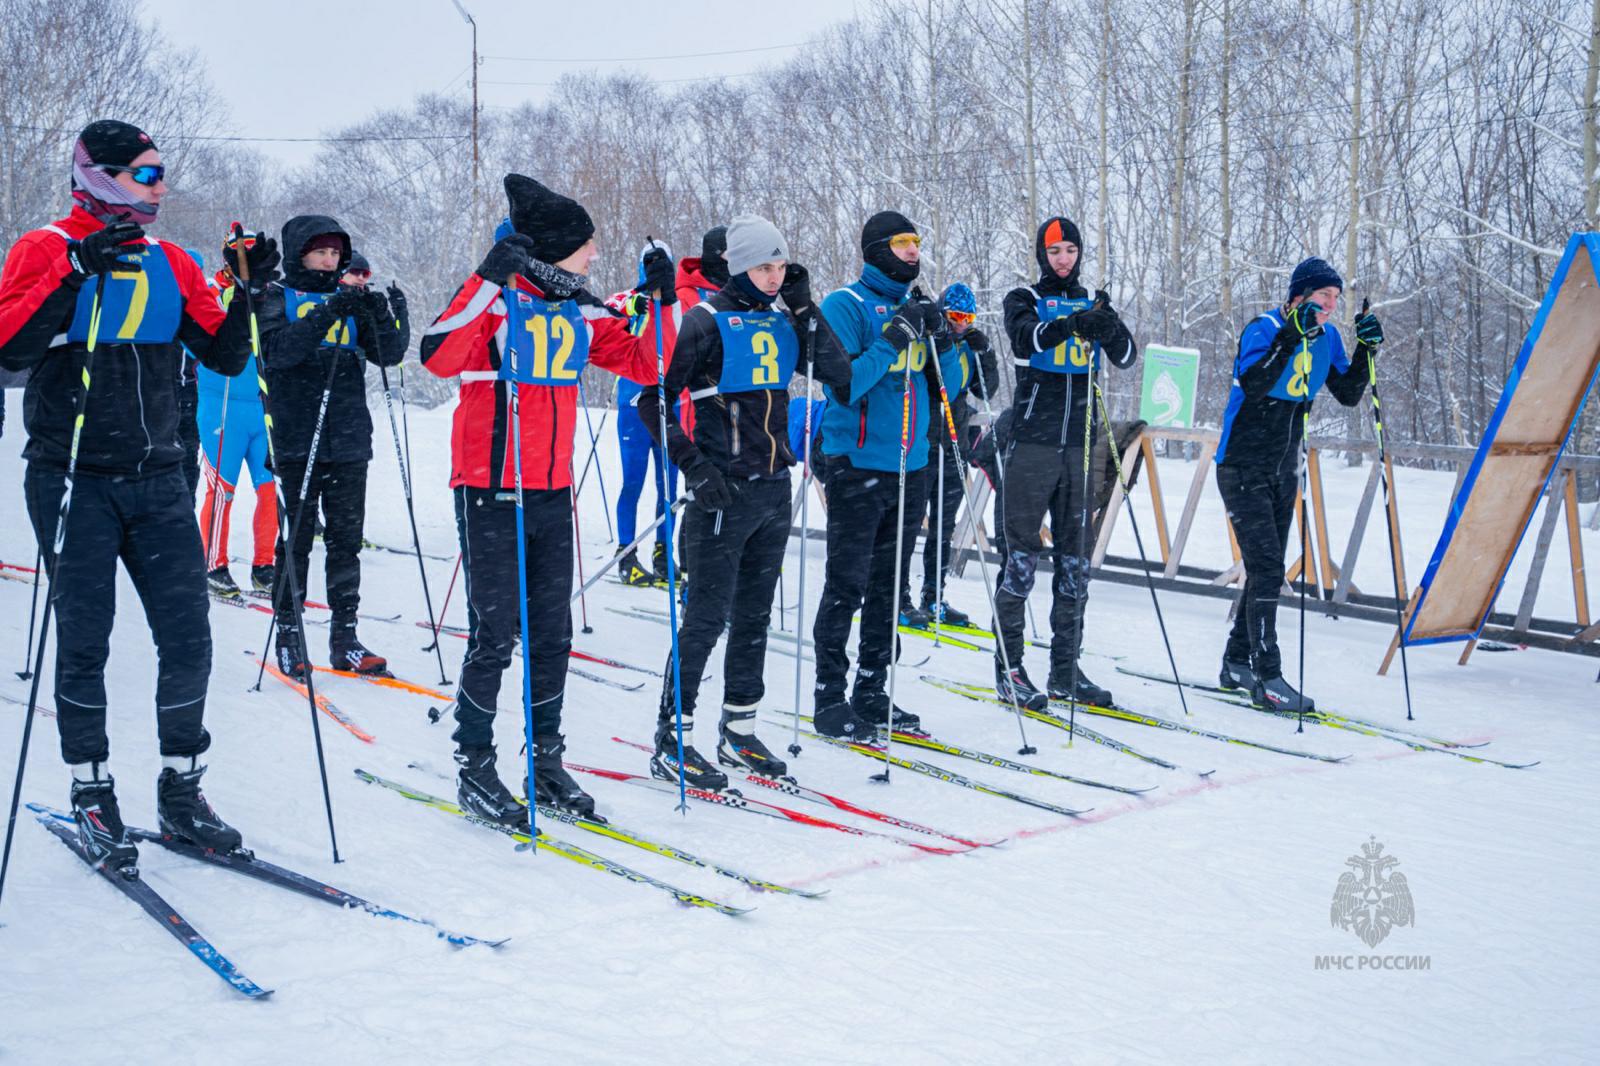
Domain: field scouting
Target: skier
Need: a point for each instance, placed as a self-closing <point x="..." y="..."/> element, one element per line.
<point x="1056" y="329"/>
<point x="129" y="499"/>
<point x="734" y="358"/>
<point x="313" y="327"/>
<point x="960" y="308"/>
<point x="1285" y="357"/>
<point x="886" y="329"/>
<point x="529" y="288"/>
<point x="234" y="433"/>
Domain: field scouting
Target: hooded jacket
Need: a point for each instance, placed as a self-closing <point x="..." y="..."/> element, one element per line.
<point x="298" y="353"/>
<point x="130" y="426"/>
<point x="1050" y="406"/>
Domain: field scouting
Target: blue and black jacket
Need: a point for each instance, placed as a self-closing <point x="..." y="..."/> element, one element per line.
<point x="862" y="431"/>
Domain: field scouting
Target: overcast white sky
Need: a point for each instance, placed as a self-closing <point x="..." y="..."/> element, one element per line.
<point x="309" y="67"/>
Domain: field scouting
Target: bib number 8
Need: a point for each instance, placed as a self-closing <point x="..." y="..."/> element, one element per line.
<point x="1302" y="371"/>
<point x="765" y="346"/>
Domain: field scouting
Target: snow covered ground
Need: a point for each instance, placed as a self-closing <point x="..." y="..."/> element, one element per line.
<point x="1184" y="925"/>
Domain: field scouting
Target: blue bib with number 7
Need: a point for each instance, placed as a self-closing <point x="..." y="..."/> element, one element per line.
<point x="142" y="307"/>
<point x="759" y="350"/>
<point x="547" y="341"/>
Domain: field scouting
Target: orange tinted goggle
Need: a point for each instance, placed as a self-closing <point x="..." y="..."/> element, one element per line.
<point x="961" y="318"/>
<point x="905" y="240"/>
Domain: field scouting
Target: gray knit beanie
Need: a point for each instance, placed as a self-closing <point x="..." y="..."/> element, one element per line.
<point x="752" y="240"/>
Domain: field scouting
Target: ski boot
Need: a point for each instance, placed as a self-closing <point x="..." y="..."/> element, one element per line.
<point x="697" y="773"/>
<point x="552" y="785"/>
<point x="346" y="652"/>
<point x="291" y="661"/>
<point x="184" y="812"/>
<point x="100" y="830"/>
<point x="658" y="563"/>
<point x="839" y="719"/>
<point x="946" y="614"/>
<point x="1275" y="694"/>
<point x="739" y="747"/>
<point x="482" y="794"/>
<point x="1236" y="674"/>
<point x="262" y="579"/>
<point x="912" y="615"/>
<point x="872" y="705"/>
<point x="220" y="583"/>
<point x="1016" y="688"/>
<point x="1087" y="691"/>
<point x="632" y="572"/>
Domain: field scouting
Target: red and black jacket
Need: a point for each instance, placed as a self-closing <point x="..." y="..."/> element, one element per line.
<point x="466" y="341"/>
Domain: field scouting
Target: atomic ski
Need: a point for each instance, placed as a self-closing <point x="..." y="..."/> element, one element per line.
<point x="941" y="774"/>
<point x="788" y="786"/>
<point x="737" y="801"/>
<point x="267" y="873"/>
<point x="164" y="914"/>
<point x="546" y="842"/>
<point x="324" y="704"/>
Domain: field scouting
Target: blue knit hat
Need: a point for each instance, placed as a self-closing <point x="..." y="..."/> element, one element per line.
<point x="958" y="298"/>
<point x="1311" y="275"/>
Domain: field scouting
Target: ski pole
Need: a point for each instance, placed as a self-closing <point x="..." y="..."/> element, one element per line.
<point x="33" y="612"/>
<point x="522" y="592"/>
<point x="1388" y="517"/>
<point x="220" y="497"/>
<point x="672" y="565"/>
<point x="805" y="529"/>
<point x="594" y="447"/>
<point x="1144" y="560"/>
<point x="286" y="532"/>
<point x="411" y="513"/>
<point x="983" y="564"/>
<point x="59" y="542"/>
<point x="1000" y="468"/>
<point x="899" y="541"/>
<point x="605" y="568"/>
<point x="1080" y="608"/>
<point x="583" y="476"/>
<point x="577" y="542"/>
<point x="436" y="626"/>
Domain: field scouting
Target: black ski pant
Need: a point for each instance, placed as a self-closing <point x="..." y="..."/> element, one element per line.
<point x="149" y="524"/>
<point x="1260" y="505"/>
<point x="735" y="555"/>
<point x="189" y="434"/>
<point x="341" y="490"/>
<point x="486" y="522"/>
<point x="1044" y="480"/>
<point x="860" y="576"/>
<point x="936" y="546"/>
<point x="991" y="469"/>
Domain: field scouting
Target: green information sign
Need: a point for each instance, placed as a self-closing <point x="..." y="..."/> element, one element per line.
<point x="1170" y="378"/>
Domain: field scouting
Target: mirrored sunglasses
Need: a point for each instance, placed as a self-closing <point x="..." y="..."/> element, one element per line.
<point x="148" y="174"/>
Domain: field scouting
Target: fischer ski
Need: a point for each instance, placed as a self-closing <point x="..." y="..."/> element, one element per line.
<point x="158" y="908"/>
<point x="385" y="680"/>
<point x="546" y="842"/>
<point x="409" y="553"/>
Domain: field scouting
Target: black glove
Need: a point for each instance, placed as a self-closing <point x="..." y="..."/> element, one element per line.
<point x="905" y="327"/>
<point x="976" y="339"/>
<point x="1060" y="330"/>
<point x="1099" y="324"/>
<point x="796" y="289"/>
<point x="1369" y="331"/>
<point x="706" y="486"/>
<point x="260" y="256"/>
<point x="397" y="300"/>
<point x="508" y="258"/>
<point x="659" y="274"/>
<point x="1301" y="323"/>
<point x="378" y="306"/>
<point x="346" y="301"/>
<point x="101" y="252"/>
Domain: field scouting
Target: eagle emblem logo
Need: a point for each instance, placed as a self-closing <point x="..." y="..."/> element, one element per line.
<point x="1371" y="897"/>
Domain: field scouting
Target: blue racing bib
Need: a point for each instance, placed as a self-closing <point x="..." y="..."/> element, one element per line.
<point x="547" y="341"/>
<point x="1071" y="356"/>
<point x="136" y="307"/>
<point x="298" y="305"/>
<point x="1307" y="368"/>
<point x="759" y="350"/>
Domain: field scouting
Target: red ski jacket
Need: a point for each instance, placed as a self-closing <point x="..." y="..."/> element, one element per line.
<point x="466" y="342"/>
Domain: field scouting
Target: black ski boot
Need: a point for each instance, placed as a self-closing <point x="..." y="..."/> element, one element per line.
<point x="632" y="572"/>
<point x="658" y="563"/>
<point x="1017" y="688"/>
<point x="481" y="793"/>
<point x="1236" y="675"/>
<point x="912" y="615"/>
<point x="839" y="719"/>
<point x="183" y="811"/>
<point x="346" y="652"/>
<point x="1087" y="691"/>
<point x="946" y="614"/>
<point x="291" y="660"/>
<point x="697" y="773"/>
<point x="220" y="583"/>
<point x="739" y="747"/>
<point x="262" y="579"/>
<point x="1275" y="694"/>
<point x="100" y="830"/>
<point x="552" y="785"/>
<point x="871" y="705"/>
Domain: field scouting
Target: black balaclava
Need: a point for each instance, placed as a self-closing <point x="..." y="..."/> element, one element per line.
<point x="713" y="256"/>
<point x="875" y="248"/>
<point x="1053" y="231"/>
